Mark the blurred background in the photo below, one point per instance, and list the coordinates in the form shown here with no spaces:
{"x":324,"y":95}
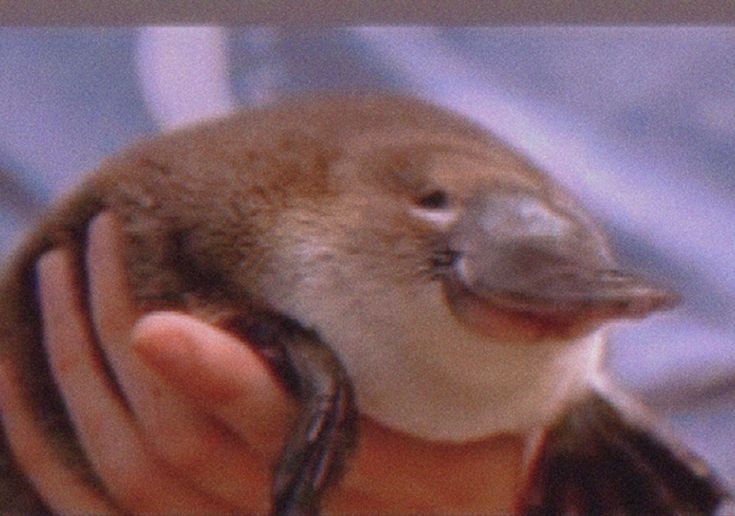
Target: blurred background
{"x":638,"y":122}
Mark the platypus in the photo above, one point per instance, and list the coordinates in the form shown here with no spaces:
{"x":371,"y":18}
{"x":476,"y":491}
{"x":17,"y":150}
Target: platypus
{"x":390,"y":258}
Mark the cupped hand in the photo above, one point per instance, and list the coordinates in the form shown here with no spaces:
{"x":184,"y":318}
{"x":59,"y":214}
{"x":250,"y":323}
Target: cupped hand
{"x":193,"y":419}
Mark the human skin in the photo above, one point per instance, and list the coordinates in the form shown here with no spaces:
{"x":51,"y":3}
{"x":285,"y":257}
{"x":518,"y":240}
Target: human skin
{"x":211,"y":450}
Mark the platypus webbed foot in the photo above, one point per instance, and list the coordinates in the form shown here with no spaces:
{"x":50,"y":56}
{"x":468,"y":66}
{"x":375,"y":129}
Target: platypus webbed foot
{"x":324,"y":434}
{"x":596,"y":460}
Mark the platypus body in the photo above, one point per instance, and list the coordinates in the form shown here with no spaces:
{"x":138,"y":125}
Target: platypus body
{"x":393,"y":258}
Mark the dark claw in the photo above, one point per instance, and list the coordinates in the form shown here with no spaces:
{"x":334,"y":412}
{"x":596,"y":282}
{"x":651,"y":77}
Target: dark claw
{"x":324,"y":433}
{"x":593,"y":460}
{"x":315,"y":454}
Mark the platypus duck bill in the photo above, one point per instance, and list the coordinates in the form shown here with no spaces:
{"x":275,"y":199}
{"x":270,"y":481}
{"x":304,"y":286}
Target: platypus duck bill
{"x":526,"y":269}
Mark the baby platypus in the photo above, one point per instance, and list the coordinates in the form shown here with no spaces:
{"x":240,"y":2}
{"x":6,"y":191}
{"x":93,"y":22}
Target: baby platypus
{"x":386,"y":256}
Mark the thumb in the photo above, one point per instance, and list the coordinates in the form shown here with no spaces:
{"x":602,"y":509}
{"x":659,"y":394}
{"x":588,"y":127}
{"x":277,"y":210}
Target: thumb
{"x":222,"y":374}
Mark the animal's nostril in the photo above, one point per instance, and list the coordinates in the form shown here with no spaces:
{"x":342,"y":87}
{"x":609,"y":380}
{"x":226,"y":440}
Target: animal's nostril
{"x":444,"y":258}
{"x":613,"y":275}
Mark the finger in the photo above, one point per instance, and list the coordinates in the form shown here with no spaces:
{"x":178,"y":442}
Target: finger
{"x":111,"y":303}
{"x":61,"y":488}
{"x":104,"y":427}
{"x":188,"y":440}
{"x":217,"y":371}
{"x":113,"y":314}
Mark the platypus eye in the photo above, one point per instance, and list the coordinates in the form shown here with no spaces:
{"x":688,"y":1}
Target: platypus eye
{"x":436,"y":208}
{"x":434,"y":200}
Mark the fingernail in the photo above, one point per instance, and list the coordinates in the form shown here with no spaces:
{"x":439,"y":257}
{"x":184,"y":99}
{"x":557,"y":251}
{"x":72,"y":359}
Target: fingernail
{"x":157,"y":340}
{"x":104,"y":221}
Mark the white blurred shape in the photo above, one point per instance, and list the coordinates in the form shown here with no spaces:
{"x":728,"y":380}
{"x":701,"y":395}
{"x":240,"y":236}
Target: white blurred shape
{"x":183,"y":73}
{"x":265,"y":74}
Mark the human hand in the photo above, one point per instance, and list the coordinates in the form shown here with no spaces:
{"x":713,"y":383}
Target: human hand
{"x":200,"y":419}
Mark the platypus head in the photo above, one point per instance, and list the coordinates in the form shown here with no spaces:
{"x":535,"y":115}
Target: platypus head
{"x":517,"y":258}
{"x":461,"y":287}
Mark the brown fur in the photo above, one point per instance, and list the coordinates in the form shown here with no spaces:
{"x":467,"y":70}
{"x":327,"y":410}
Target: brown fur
{"x":202,"y":212}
